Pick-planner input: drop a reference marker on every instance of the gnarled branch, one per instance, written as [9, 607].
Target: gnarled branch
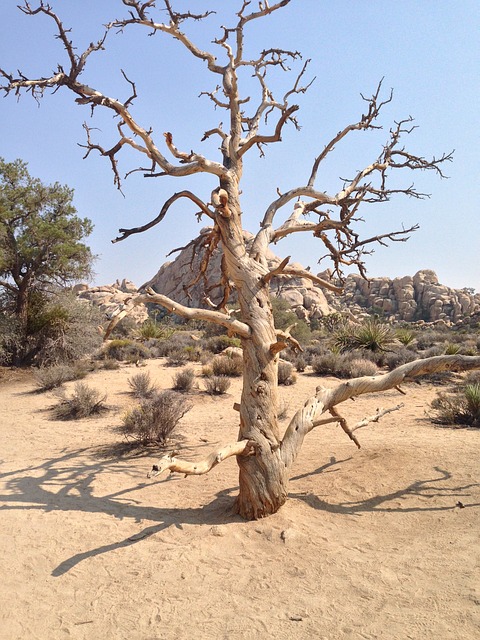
[327, 399]
[200, 467]
[216, 317]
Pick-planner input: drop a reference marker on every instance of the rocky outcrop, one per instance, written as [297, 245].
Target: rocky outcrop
[173, 279]
[410, 299]
[109, 297]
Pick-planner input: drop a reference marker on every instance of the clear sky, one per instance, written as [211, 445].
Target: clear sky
[427, 51]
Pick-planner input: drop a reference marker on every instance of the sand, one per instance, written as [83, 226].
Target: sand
[380, 542]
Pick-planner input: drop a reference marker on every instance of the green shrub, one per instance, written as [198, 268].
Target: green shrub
[373, 335]
[83, 402]
[451, 349]
[153, 421]
[151, 329]
[184, 380]
[217, 385]
[405, 336]
[59, 329]
[141, 385]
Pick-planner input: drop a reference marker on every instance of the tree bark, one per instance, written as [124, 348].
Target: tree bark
[262, 477]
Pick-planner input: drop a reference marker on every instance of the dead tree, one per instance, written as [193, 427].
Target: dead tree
[264, 454]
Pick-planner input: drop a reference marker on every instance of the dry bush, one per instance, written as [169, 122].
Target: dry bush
[126, 349]
[47, 378]
[286, 374]
[83, 402]
[177, 357]
[399, 356]
[362, 367]
[461, 407]
[300, 362]
[155, 418]
[217, 385]
[231, 366]
[184, 380]
[141, 385]
[217, 344]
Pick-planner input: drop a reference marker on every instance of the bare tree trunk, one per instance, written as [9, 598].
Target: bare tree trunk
[263, 478]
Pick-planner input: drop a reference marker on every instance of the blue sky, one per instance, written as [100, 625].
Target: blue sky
[427, 51]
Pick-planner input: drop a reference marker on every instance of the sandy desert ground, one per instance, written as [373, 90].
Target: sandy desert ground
[381, 542]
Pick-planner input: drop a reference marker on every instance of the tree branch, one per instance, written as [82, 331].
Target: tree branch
[175, 465]
[207, 315]
[326, 399]
[176, 196]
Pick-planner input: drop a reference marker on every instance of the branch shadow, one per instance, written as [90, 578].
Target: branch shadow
[425, 489]
[66, 483]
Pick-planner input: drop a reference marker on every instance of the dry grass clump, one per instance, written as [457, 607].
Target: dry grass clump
[217, 385]
[84, 401]
[141, 385]
[155, 418]
[184, 380]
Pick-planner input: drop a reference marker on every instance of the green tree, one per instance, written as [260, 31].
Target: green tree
[40, 238]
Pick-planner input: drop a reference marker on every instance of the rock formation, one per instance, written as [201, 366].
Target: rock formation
[410, 299]
[109, 297]
[305, 298]
[418, 298]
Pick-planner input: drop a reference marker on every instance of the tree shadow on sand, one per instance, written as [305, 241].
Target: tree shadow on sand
[429, 488]
[66, 483]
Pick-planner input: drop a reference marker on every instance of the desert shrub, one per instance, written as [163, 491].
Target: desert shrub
[300, 363]
[47, 378]
[59, 329]
[473, 377]
[326, 363]
[126, 349]
[155, 418]
[217, 344]
[231, 366]
[194, 353]
[110, 364]
[184, 380]
[362, 367]
[373, 335]
[398, 357]
[286, 374]
[84, 401]
[429, 338]
[126, 328]
[141, 385]
[459, 408]
[177, 357]
[451, 349]
[217, 385]
[151, 329]
[405, 336]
